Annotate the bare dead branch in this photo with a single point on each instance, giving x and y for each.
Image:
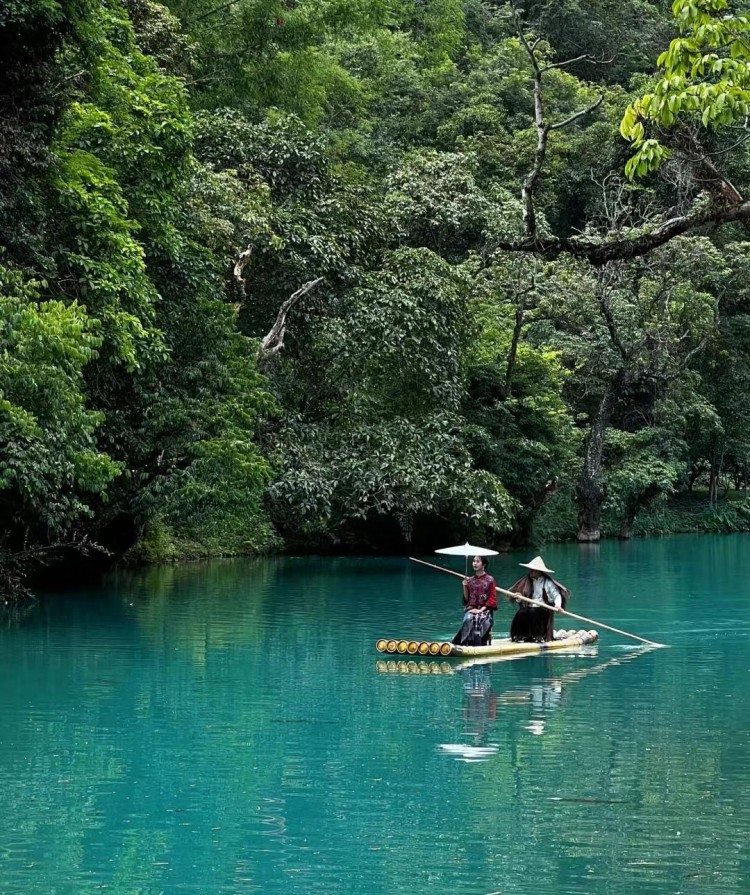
(742, 140)
(584, 57)
(550, 65)
(561, 124)
(239, 268)
(543, 127)
(273, 342)
(529, 184)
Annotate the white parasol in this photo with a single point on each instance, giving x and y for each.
(467, 550)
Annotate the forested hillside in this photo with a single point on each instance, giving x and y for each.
(327, 273)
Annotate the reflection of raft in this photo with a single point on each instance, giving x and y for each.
(411, 667)
(499, 646)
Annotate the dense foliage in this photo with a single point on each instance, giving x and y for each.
(172, 176)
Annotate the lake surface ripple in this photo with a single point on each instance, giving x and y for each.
(229, 728)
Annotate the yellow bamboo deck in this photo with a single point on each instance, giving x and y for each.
(499, 647)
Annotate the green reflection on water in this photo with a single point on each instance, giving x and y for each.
(228, 727)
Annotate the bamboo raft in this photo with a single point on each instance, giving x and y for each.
(501, 646)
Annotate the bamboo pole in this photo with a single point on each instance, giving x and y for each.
(514, 596)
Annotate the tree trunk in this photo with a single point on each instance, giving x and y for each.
(626, 529)
(717, 461)
(634, 507)
(590, 491)
(713, 490)
(693, 477)
(522, 533)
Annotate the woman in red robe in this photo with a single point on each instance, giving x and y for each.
(480, 603)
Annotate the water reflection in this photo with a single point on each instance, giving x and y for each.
(222, 728)
(479, 713)
(542, 697)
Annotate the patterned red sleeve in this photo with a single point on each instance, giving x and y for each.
(491, 601)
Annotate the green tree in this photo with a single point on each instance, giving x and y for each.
(52, 475)
(705, 85)
(633, 332)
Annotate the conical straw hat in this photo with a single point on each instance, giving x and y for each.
(537, 565)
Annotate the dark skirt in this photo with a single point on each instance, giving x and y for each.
(475, 630)
(532, 625)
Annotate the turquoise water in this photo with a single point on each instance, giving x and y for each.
(229, 728)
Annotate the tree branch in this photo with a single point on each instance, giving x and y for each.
(513, 352)
(212, 12)
(584, 57)
(577, 115)
(543, 127)
(603, 290)
(623, 248)
(704, 170)
(273, 342)
(239, 268)
(565, 62)
(725, 203)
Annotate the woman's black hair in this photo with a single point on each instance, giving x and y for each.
(483, 560)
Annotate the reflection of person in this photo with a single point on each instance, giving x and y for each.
(532, 623)
(546, 696)
(480, 701)
(480, 602)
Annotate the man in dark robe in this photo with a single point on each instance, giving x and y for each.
(534, 624)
